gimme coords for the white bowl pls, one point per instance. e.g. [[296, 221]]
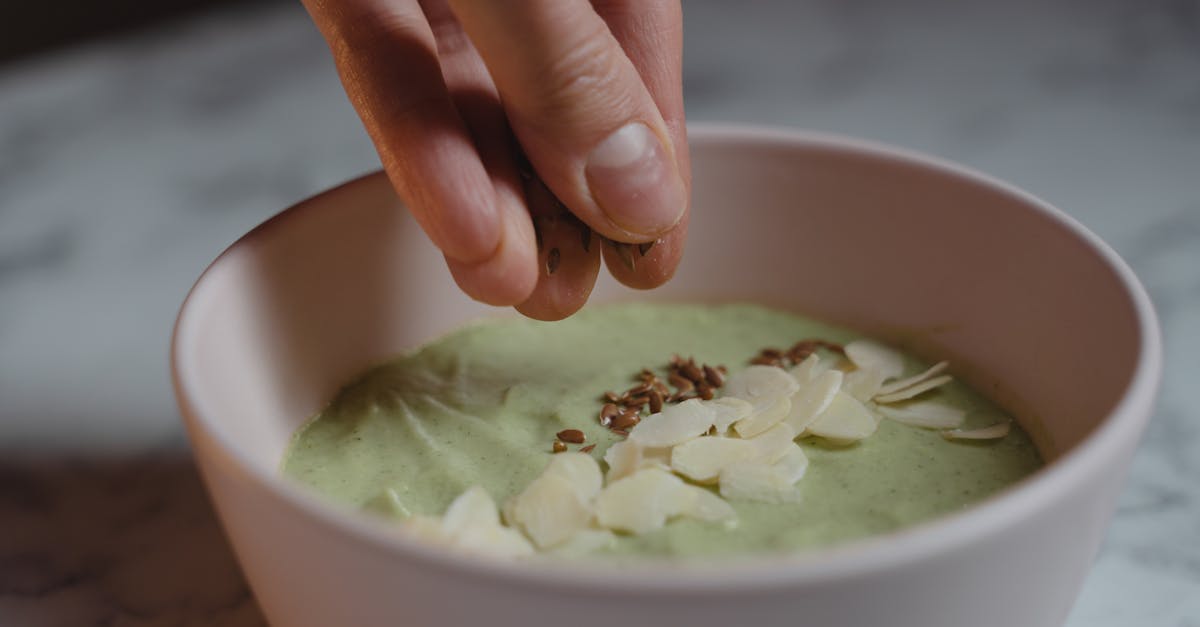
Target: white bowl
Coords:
[[1036, 312]]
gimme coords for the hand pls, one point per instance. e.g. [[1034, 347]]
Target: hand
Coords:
[[457, 94]]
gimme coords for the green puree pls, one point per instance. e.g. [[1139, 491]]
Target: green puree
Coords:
[[480, 406]]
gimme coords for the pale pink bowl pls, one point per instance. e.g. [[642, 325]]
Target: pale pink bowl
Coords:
[[1035, 310]]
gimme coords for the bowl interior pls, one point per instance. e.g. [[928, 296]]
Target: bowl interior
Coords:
[[1025, 303]]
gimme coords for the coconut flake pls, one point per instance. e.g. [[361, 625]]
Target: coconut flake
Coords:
[[990, 432], [702, 459], [845, 420], [896, 386], [910, 392], [924, 414], [812, 399], [871, 355], [675, 424]]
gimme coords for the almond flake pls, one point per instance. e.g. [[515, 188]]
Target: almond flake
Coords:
[[772, 444], [703, 459], [864, 383], [807, 370], [728, 410], [896, 386], [559, 501], [628, 456], [709, 507], [761, 385], [674, 424], [813, 398], [871, 355], [766, 415], [924, 414], [792, 464], [845, 420], [585, 541], [643, 501], [473, 507], [910, 392], [495, 540], [990, 432], [472, 525], [758, 481]]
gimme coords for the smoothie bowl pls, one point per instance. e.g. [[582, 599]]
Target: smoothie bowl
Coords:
[[826, 281]]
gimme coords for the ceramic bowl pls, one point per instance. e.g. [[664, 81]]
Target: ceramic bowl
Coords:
[[1032, 308]]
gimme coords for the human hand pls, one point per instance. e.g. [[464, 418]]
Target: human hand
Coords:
[[456, 94]]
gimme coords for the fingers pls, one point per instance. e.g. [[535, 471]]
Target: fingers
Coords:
[[568, 257], [582, 113], [387, 57], [651, 33]]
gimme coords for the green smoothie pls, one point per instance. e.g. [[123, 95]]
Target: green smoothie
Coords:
[[480, 406]]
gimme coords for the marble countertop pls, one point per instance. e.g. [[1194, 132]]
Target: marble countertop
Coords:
[[127, 165]]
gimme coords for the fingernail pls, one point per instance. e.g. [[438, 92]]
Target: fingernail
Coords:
[[635, 181]]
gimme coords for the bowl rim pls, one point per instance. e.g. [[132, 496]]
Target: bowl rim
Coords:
[[1124, 422]]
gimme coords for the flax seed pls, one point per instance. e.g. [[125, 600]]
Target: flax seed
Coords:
[[571, 436]]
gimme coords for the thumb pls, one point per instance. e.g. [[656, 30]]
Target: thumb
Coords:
[[581, 112]]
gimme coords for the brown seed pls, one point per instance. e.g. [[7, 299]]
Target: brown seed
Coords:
[[676, 360], [585, 235], [621, 432], [607, 413], [690, 370], [559, 447], [763, 360], [626, 420], [587, 449], [624, 252], [636, 401], [552, 260], [712, 430], [656, 401], [647, 376], [722, 369], [661, 388], [640, 389], [572, 436], [612, 397], [705, 391], [713, 376], [771, 352], [645, 248], [680, 383]]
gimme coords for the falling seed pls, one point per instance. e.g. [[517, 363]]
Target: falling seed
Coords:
[[624, 253], [645, 247], [587, 449], [571, 436], [559, 447], [552, 260], [585, 234]]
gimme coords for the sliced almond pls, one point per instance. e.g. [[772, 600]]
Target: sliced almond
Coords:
[[845, 420], [761, 385], [728, 410], [702, 459], [586, 541], [674, 424], [808, 369], [915, 390], [559, 502], [643, 501], [627, 457], [709, 507], [812, 399], [792, 464], [427, 529], [924, 414], [773, 443], [473, 507], [896, 386], [495, 540], [990, 432], [871, 355], [765, 415], [758, 481], [864, 383]]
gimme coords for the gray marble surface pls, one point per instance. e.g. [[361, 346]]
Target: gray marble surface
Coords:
[[127, 165]]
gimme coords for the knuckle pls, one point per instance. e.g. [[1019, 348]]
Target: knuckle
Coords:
[[587, 79]]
